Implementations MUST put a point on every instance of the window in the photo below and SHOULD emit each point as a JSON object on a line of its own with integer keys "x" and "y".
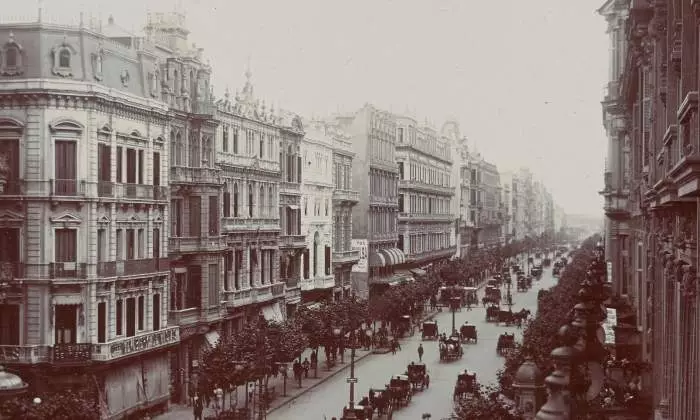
{"x": 156, "y": 312}
{"x": 119, "y": 164}
{"x": 141, "y": 312}
{"x": 156, "y": 243}
{"x": 156, "y": 169}
{"x": 11, "y": 54}
{"x": 306, "y": 263}
{"x": 66, "y": 245}
{"x": 120, "y": 244}
{"x": 104, "y": 163}
{"x": 401, "y": 170}
{"x": 130, "y": 166}
{"x": 400, "y": 135}
{"x": 271, "y": 201}
{"x": 141, "y": 244}
{"x": 250, "y": 200}
{"x": 130, "y": 317}
{"x": 176, "y": 216}
{"x": 101, "y": 244}
{"x": 101, "y": 322}
{"x": 9, "y": 325}
{"x": 224, "y": 139}
{"x": 64, "y": 58}
{"x": 65, "y": 318}
{"x": 227, "y": 204}
{"x": 238, "y": 262}
{"x": 327, "y": 260}
{"x": 119, "y": 315}
{"x": 139, "y": 168}
{"x": 193, "y": 298}
{"x": 195, "y": 216}
{"x": 235, "y": 200}
{"x": 235, "y": 140}
{"x": 130, "y": 244}
{"x": 213, "y": 215}
{"x": 261, "y": 202}
{"x": 401, "y": 210}
{"x": 65, "y": 168}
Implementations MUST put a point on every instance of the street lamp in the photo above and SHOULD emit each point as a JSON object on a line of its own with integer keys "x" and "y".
{"x": 455, "y": 304}
{"x": 349, "y": 414}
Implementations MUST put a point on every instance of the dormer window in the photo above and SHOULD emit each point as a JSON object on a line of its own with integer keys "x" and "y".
{"x": 62, "y": 55}
{"x": 64, "y": 58}
{"x": 11, "y": 54}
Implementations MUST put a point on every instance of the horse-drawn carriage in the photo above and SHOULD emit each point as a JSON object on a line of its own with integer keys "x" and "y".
{"x": 361, "y": 412}
{"x": 536, "y": 271}
{"x": 506, "y": 343}
{"x": 448, "y": 293}
{"x": 400, "y": 388}
{"x": 491, "y": 295}
{"x": 430, "y": 331}
{"x": 506, "y": 317}
{"x": 546, "y": 262}
{"x": 380, "y": 401}
{"x": 418, "y": 375}
{"x": 522, "y": 284}
{"x": 468, "y": 333}
{"x": 557, "y": 268}
{"x": 492, "y": 313}
{"x": 451, "y": 348}
{"x": 404, "y": 326}
{"x": 466, "y": 384}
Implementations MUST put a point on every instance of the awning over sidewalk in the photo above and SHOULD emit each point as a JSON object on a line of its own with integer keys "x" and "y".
{"x": 377, "y": 259}
{"x": 273, "y": 313}
{"x": 393, "y": 256}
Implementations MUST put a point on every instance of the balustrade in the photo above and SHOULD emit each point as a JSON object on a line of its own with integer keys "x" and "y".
{"x": 23, "y": 354}
{"x": 140, "y": 343}
{"x": 67, "y": 269}
{"x": 189, "y": 174}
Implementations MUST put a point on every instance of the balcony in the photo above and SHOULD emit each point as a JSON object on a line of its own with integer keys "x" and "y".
{"x": 105, "y": 189}
{"x": 238, "y": 298}
{"x": 12, "y": 187}
{"x": 140, "y": 343}
{"x": 63, "y": 270}
{"x": 15, "y": 268}
{"x": 134, "y": 191}
{"x": 23, "y": 354}
{"x": 183, "y": 317}
{"x": 426, "y": 217}
{"x": 383, "y": 200}
{"x": 342, "y": 257}
{"x": 194, "y": 175}
{"x": 292, "y": 241}
{"x": 616, "y": 207}
{"x": 237, "y": 224}
{"x": 191, "y": 245}
{"x": 424, "y": 187}
{"x": 293, "y": 188}
{"x": 319, "y": 283}
{"x": 161, "y": 193}
{"x": 71, "y": 354}
{"x": 347, "y": 196}
{"x": 248, "y": 162}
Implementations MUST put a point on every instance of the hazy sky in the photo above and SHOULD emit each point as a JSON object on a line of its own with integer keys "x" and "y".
{"x": 523, "y": 78}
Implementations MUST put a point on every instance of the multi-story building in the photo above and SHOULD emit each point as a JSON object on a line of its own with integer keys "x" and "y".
{"x": 559, "y": 219}
{"x": 375, "y": 177}
{"x": 519, "y": 206}
{"x": 507, "y": 201}
{"x": 651, "y": 193}
{"x": 344, "y": 200}
{"x": 83, "y": 132}
{"x": 468, "y": 221}
{"x": 318, "y": 280}
{"x": 425, "y": 218}
{"x": 486, "y": 209}
{"x": 459, "y": 152}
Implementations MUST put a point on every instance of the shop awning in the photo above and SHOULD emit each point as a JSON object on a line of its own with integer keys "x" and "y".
{"x": 212, "y": 338}
{"x": 393, "y": 256}
{"x": 419, "y": 272}
{"x": 377, "y": 259}
{"x": 273, "y": 313}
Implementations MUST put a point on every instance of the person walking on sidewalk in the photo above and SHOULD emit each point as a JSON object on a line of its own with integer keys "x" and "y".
{"x": 420, "y": 352}
{"x": 306, "y": 365}
{"x": 197, "y": 407}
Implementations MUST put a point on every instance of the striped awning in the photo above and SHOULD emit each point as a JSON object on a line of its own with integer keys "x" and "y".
{"x": 377, "y": 259}
{"x": 393, "y": 256}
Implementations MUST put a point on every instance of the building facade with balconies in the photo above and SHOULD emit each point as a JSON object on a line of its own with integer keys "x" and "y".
{"x": 466, "y": 215}
{"x": 196, "y": 244}
{"x": 375, "y": 178}
{"x": 344, "y": 200}
{"x": 318, "y": 278}
{"x": 489, "y": 205}
{"x": 425, "y": 221}
{"x": 84, "y": 208}
{"x": 249, "y": 155}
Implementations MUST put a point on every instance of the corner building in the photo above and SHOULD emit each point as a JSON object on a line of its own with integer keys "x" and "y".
{"x": 375, "y": 178}
{"x": 426, "y": 221}
{"x": 85, "y": 218}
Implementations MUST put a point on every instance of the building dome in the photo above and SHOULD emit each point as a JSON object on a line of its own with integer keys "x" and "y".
{"x": 11, "y": 384}
{"x": 528, "y": 374}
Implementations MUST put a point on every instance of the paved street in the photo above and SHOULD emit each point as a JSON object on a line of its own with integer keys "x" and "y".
{"x": 374, "y": 371}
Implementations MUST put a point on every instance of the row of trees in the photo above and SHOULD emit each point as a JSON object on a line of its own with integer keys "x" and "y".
{"x": 63, "y": 405}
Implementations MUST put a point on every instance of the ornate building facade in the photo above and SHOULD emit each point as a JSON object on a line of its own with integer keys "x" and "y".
{"x": 318, "y": 278}
{"x": 651, "y": 191}
{"x": 375, "y": 178}
{"x": 425, "y": 221}
{"x": 344, "y": 200}
{"x": 85, "y": 218}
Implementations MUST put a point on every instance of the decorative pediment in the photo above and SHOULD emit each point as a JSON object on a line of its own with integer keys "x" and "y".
{"x": 67, "y": 218}
{"x": 106, "y": 129}
{"x": 63, "y": 54}
{"x": 103, "y": 220}
{"x": 11, "y": 217}
{"x": 12, "y": 57}
{"x": 158, "y": 219}
{"x": 9, "y": 124}
{"x": 66, "y": 124}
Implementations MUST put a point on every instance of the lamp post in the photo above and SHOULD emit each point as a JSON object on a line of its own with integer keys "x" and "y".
{"x": 455, "y": 303}
{"x": 349, "y": 414}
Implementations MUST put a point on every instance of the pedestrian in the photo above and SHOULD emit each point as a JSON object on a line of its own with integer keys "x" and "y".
{"x": 306, "y": 365}
{"x": 197, "y": 407}
{"x": 314, "y": 359}
{"x": 420, "y": 352}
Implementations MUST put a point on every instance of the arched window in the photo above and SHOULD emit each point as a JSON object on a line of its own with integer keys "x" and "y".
{"x": 64, "y": 58}
{"x": 235, "y": 200}
{"x": 261, "y": 203}
{"x": 250, "y": 200}
{"x": 317, "y": 246}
